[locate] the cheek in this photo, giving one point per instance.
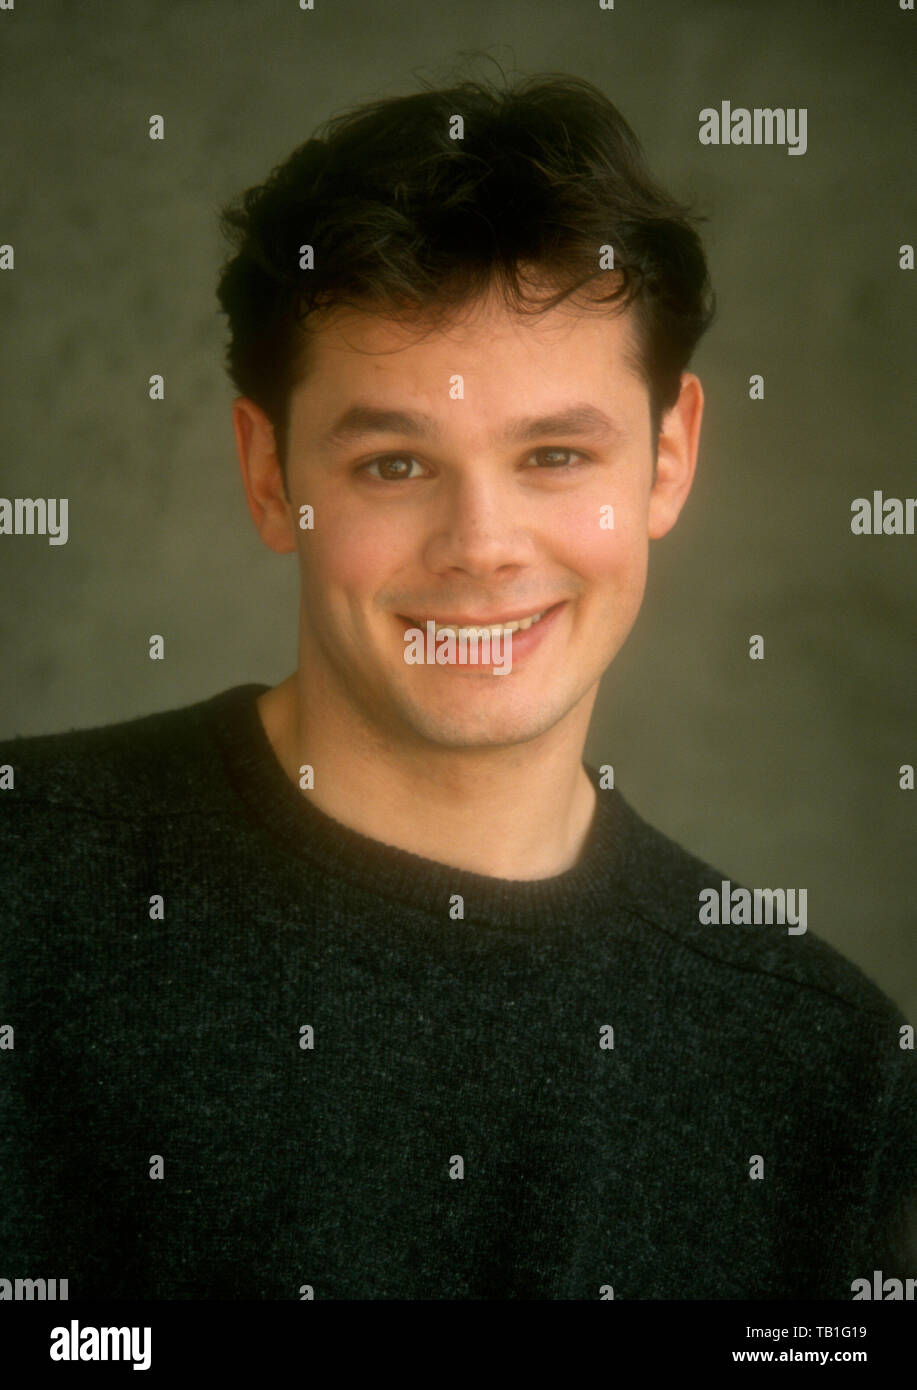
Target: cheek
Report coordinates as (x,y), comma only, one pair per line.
(349,551)
(604,540)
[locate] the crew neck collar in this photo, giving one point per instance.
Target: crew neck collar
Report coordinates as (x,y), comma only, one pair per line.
(300,829)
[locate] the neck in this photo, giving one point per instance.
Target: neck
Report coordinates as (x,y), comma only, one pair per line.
(517,812)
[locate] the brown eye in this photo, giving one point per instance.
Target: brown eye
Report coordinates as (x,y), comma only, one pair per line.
(556,457)
(392,467)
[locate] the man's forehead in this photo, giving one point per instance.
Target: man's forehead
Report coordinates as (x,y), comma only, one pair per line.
(357,383)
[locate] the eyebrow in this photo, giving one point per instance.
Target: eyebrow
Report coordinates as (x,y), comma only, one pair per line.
(362,419)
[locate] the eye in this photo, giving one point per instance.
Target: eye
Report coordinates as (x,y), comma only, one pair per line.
(551,452)
(398,466)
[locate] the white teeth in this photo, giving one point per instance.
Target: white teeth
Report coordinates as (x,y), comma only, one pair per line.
(521,626)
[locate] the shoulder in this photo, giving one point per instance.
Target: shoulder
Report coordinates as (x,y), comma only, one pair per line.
(783,1023)
(761,940)
(154,764)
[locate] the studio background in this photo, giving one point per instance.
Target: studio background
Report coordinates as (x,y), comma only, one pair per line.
(782,772)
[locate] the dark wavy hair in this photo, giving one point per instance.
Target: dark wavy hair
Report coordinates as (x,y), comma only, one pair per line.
(408,221)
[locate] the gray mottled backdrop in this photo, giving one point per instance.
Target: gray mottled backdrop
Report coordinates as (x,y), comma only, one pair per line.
(783,772)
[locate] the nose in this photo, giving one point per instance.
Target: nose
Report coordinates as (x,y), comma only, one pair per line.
(479,529)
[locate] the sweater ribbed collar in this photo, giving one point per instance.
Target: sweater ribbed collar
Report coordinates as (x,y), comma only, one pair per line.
(299,828)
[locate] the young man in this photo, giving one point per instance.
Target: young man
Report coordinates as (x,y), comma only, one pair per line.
(365,986)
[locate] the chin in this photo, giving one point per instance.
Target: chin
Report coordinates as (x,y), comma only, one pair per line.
(484,728)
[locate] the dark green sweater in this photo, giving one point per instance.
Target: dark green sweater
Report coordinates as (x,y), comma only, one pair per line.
(440,1046)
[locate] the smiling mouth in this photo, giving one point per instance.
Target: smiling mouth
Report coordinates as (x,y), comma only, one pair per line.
(508,625)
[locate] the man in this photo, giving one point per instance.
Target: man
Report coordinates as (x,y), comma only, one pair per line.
(365,986)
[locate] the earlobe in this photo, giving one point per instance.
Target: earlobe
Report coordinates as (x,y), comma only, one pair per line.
(262,477)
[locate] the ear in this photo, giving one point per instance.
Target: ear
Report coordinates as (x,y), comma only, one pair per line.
(262,477)
(676,456)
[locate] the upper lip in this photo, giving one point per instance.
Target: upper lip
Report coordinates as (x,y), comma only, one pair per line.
(465,621)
